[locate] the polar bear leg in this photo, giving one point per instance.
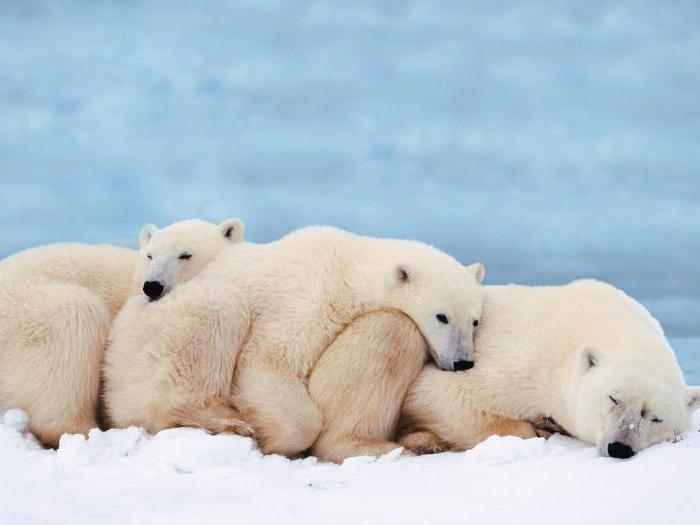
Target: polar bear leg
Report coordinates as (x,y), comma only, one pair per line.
(171,362)
(423,442)
(51,348)
(215,415)
(503,426)
(278,406)
(360,383)
(480,427)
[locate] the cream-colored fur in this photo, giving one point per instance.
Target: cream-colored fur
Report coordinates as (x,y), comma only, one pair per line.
(151,382)
(56,306)
(280,305)
(174,255)
(584,354)
(360,383)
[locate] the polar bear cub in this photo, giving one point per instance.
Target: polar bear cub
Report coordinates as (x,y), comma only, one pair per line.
(175,254)
(57,303)
(584,354)
(279,305)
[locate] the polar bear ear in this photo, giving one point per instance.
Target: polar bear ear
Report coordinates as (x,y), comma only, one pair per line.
(478,270)
(146,234)
(694,398)
(588,358)
(402,274)
(232,229)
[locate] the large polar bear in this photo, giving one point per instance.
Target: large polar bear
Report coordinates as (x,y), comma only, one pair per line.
(56,306)
(584,354)
(280,305)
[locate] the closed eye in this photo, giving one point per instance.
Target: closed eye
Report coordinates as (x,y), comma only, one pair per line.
(185,256)
(615,401)
(149,257)
(656,420)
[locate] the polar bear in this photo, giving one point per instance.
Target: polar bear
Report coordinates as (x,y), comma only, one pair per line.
(584,354)
(279,305)
(177,253)
(57,303)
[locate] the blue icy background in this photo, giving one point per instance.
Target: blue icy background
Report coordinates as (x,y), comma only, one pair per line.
(551,140)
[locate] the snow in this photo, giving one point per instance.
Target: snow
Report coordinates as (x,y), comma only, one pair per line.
(16,419)
(187,476)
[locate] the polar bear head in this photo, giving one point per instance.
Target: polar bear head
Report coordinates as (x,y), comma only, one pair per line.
(444,299)
(175,254)
(624,406)
(623,389)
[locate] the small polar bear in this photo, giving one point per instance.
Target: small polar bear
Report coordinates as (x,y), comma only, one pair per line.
(279,306)
(584,354)
(174,255)
(57,303)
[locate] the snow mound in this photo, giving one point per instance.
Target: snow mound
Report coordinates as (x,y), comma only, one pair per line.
(17,419)
(189,450)
(13,434)
(365,460)
(502,450)
(74,449)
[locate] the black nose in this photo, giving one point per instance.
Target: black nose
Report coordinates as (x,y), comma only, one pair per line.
(462,365)
(620,450)
(153,289)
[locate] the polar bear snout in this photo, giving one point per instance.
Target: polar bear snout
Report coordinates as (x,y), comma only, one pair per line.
(453,351)
(153,289)
(619,450)
(462,365)
(456,358)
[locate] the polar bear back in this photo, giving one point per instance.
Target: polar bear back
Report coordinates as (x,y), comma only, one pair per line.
(547,327)
(104,269)
(304,288)
(296,285)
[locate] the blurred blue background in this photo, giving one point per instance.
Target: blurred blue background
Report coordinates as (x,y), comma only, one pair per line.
(550,140)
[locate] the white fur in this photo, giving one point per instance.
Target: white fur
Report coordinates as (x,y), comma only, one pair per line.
(561,352)
(296,295)
(57,303)
(162,254)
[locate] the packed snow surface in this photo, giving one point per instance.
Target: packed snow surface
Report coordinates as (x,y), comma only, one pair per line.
(187,476)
